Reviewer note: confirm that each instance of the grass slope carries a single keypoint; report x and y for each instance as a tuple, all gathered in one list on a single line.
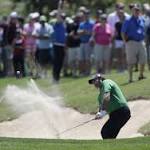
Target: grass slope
[(39, 144), (82, 96)]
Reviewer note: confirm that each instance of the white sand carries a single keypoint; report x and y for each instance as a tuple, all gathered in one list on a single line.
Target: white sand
[(42, 117)]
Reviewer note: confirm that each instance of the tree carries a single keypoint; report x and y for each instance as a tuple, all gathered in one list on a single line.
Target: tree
[(39, 5)]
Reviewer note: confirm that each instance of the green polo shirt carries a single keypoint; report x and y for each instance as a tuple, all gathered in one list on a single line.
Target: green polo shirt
[(117, 99)]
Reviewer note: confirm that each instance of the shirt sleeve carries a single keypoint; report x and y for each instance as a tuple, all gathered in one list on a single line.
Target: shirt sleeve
[(100, 97), (106, 87), (124, 27), (81, 26)]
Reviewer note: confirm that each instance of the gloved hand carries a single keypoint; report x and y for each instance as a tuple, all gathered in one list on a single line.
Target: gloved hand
[(100, 114)]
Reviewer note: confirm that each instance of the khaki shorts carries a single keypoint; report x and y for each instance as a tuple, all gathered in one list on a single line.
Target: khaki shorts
[(102, 53), (73, 54), (136, 52)]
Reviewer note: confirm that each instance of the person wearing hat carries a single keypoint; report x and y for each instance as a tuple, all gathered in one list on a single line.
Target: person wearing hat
[(112, 102), (133, 34), (102, 36), (146, 16), (30, 44), (85, 33), (119, 44), (113, 17), (12, 27), (59, 43), (99, 12), (44, 45), (18, 54)]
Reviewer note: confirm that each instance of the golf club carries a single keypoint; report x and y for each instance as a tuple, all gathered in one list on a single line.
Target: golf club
[(83, 123)]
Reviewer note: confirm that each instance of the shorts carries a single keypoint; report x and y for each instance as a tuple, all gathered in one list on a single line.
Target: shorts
[(119, 44), (136, 51), (73, 54), (85, 51), (102, 53)]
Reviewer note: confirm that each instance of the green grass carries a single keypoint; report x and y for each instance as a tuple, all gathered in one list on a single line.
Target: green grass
[(81, 96), (39, 144), (145, 130)]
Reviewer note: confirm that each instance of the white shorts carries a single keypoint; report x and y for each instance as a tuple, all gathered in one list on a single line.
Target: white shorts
[(119, 44)]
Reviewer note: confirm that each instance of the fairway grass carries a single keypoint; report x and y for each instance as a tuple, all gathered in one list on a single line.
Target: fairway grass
[(39, 144)]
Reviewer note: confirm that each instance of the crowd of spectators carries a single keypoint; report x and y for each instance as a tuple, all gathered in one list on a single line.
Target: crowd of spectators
[(75, 45)]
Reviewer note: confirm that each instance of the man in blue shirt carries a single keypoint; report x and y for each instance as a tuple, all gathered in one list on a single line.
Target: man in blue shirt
[(133, 35), (85, 32), (59, 42)]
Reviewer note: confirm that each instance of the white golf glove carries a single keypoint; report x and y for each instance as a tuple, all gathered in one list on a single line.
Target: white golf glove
[(100, 114)]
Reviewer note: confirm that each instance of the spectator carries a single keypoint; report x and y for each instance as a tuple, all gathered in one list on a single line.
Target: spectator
[(43, 35), (133, 35), (112, 19), (30, 45), (102, 35), (10, 36), (85, 32), (18, 54), (59, 41), (73, 44), (147, 31), (99, 12), (119, 44), (114, 16)]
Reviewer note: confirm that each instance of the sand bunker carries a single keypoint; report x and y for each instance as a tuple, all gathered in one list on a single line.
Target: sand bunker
[(43, 116)]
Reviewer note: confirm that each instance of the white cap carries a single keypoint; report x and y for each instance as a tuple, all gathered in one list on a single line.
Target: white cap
[(69, 20), (35, 15), (14, 14), (53, 13)]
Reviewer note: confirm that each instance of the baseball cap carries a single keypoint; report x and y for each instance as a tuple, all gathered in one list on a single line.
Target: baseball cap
[(87, 12), (94, 77), (35, 15), (43, 18), (99, 11), (82, 9), (103, 16), (137, 7), (14, 14), (53, 13)]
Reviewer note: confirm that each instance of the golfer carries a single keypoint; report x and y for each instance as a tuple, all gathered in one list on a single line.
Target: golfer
[(111, 102)]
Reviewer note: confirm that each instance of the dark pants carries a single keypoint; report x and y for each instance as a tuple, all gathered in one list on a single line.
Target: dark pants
[(58, 59), (115, 122), (18, 63), (44, 57)]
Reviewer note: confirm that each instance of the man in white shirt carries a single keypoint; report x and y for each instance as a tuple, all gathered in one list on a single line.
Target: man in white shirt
[(114, 17)]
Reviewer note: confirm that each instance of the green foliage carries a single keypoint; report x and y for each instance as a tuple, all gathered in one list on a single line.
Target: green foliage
[(39, 5)]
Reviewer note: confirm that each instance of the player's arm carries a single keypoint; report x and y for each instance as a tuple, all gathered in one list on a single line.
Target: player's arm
[(106, 100)]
